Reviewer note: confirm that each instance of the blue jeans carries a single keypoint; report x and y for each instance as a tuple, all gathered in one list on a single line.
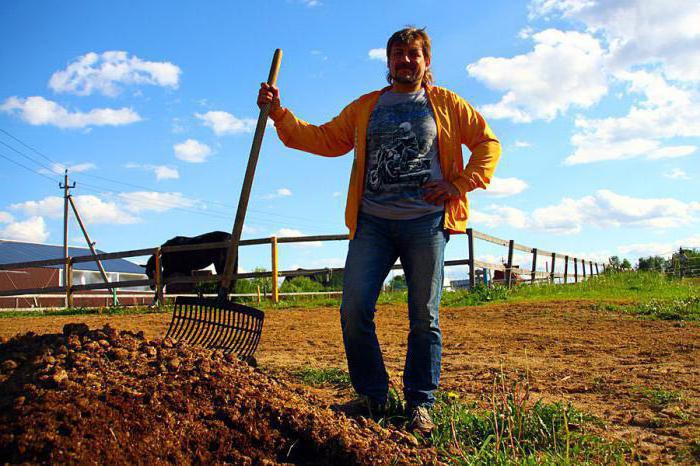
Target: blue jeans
[(420, 244)]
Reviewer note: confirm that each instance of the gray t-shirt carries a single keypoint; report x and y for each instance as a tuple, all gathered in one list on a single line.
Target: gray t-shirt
[(402, 155)]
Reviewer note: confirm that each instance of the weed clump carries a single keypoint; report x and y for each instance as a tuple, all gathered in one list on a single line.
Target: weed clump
[(513, 430), (670, 309)]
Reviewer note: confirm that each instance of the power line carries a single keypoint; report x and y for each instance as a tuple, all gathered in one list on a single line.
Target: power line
[(206, 201), (154, 202), (41, 164), (304, 220), (174, 206), (27, 146), (28, 168)]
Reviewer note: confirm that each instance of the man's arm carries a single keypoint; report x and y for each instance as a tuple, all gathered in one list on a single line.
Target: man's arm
[(332, 139), (476, 134)]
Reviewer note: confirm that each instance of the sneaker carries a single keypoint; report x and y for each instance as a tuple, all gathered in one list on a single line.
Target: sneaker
[(362, 406), (419, 420)]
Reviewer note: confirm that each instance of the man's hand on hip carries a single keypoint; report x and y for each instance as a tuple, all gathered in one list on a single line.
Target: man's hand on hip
[(440, 191), (269, 94)]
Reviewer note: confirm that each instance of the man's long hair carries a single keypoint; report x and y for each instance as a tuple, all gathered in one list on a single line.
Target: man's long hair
[(406, 36)]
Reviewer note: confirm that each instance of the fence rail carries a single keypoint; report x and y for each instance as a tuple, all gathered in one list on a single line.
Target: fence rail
[(511, 272)]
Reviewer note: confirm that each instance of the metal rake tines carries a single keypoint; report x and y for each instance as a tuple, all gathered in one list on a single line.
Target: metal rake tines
[(225, 325)]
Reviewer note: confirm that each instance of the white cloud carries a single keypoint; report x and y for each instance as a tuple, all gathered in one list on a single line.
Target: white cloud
[(600, 257), (500, 215), (104, 73), (51, 206), (290, 232), (60, 168), (223, 123), (92, 209), (32, 230), (145, 201), (176, 126), (662, 32), (250, 230), (337, 194), (522, 144), (124, 209), (677, 174), (604, 209), (166, 173), (192, 151), (669, 152), (320, 54), (659, 249), (280, 192), (37, 110), (377, 54), (666, 111), (311, 3), (565, 69), (162, 172), (503, 187)]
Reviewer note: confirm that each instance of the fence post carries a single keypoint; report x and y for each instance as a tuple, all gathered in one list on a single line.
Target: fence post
[(566, 269), (69, 282), (158, 275), (509, 265), (575, 270), (554, 258), (590, 264), (534, 266), (597, 271), (583, 268), (472, 272), (275, 291)]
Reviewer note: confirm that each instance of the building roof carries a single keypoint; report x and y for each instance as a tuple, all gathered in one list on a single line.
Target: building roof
[(17, 251)]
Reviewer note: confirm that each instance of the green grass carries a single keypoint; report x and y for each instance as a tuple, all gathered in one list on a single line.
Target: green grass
[(510, 430), (515, 430), (647, 294), (661, 398), (687, 309), (318, 377), (613, 287), (75, 311), (620, 286)]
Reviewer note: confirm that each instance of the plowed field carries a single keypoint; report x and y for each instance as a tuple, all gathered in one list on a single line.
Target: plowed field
[(605, 363)]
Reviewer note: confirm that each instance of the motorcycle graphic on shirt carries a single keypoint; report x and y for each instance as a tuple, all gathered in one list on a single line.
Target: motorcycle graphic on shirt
[(399, 161)]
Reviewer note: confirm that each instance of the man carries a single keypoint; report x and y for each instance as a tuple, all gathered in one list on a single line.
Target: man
[(401, 205)]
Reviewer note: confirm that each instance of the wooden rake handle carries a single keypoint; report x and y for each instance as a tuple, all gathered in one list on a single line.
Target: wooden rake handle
[(248, 181)]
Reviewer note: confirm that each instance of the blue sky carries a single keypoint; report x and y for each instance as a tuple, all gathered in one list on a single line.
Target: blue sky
[(151, 105)]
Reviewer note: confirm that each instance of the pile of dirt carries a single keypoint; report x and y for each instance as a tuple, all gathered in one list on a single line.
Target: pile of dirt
[(105, 396)]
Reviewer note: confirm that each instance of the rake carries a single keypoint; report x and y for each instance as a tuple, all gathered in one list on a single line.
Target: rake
[(219, 323)]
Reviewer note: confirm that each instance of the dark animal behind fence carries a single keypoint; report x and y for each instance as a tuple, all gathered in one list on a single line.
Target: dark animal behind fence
[(182, 263)]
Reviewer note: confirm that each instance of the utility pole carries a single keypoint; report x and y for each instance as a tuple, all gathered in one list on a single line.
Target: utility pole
[(91, 245), (68, 200), (66, 193)]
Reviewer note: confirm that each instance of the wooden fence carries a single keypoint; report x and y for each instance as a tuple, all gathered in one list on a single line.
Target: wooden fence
[(510, 271)]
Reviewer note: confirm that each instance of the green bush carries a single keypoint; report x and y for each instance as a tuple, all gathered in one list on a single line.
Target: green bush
[(480, 294), (300, 285), (670, 309)]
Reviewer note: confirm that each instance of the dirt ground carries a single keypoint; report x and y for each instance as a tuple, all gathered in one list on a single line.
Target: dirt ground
[(603, 362)]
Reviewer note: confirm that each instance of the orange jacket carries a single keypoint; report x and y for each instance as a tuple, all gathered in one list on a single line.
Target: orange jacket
[(457, 123)]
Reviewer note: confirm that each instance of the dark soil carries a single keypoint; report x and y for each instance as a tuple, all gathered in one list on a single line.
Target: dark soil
[(605, 363), (109, 397)]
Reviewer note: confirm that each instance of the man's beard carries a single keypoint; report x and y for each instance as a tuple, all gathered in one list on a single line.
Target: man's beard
[(413, 78)]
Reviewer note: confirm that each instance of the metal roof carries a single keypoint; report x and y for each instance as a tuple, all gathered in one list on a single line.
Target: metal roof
[(16, 251)]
